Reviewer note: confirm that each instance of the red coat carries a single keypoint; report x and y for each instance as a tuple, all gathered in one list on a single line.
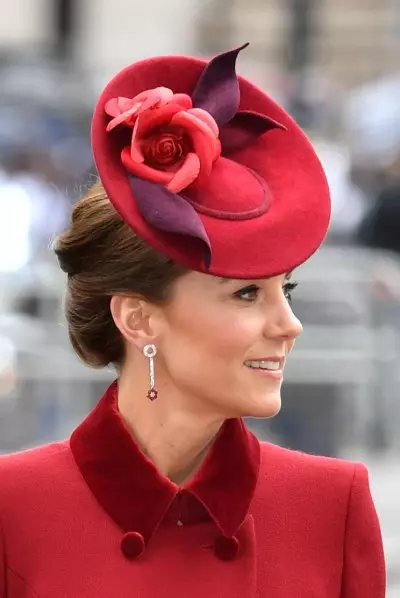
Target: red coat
[(92, 518)]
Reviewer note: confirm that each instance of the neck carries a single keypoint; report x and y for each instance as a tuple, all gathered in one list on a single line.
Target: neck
[(176, 440)]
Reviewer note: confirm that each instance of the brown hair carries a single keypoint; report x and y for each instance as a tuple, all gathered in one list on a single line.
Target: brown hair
[(103, 257)]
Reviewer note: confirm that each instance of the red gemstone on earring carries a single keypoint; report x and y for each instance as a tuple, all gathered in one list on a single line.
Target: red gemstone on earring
[(152, 394)]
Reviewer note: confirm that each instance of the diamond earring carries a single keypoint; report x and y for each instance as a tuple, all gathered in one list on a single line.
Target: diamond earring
[(150, 351)]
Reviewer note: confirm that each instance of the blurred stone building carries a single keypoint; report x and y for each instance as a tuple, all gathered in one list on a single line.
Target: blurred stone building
[(99, 36), (352, 40)]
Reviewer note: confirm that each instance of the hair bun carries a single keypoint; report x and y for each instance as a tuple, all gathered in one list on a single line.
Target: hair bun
[(107, 258), (70, 258), (64, 262)]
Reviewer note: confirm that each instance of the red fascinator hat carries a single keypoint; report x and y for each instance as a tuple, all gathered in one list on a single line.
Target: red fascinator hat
[(209, 170)]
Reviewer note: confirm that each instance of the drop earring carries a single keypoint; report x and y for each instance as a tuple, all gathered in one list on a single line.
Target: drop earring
[(150, 351)]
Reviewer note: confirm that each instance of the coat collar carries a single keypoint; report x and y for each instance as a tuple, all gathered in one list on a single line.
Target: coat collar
[(134, 493)]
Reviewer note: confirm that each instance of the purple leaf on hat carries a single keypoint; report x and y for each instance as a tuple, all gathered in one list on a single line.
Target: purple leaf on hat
[(217, 91), (245, 127), (168, 211)]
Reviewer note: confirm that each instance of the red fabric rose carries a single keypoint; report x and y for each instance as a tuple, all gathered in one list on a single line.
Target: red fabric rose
[(172, 143)]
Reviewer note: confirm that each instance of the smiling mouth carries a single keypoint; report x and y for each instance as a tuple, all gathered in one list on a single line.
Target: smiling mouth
[(271, 365)]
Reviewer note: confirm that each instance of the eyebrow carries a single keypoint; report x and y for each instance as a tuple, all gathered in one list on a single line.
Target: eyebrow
[(221, 280)]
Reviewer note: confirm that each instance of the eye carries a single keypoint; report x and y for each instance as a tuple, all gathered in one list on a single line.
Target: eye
[(249, 293), (288, 289)]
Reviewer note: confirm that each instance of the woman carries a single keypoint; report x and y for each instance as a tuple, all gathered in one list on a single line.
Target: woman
[(179, 273)]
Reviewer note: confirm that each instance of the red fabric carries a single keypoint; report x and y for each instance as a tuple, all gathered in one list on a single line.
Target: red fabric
[(361, 538), (155, 493), (310, 529), (272, 242), (225, 178), (2, 564)]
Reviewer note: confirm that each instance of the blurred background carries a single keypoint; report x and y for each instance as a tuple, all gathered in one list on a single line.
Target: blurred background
[(335, 65)]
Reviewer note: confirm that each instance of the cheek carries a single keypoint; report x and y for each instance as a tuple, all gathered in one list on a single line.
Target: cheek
[(220, 334)]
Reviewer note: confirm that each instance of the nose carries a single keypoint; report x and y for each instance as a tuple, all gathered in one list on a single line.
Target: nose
[(283, 323)]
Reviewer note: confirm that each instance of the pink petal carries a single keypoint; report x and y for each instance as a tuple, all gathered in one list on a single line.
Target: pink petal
[(206, 118), (190, 121), (116, 121), (183, 100), (126, 104), (155, 118), (163, 94), (136, 152), (143, 171), (149, 103), (122, 118), (218, 150), (205, 152), (113, 106), (186, 174)]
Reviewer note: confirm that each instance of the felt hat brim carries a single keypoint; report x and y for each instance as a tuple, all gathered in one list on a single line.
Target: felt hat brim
[(271, 243)]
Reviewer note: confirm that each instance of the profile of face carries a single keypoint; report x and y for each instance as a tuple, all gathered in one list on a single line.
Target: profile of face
[(222, 344)]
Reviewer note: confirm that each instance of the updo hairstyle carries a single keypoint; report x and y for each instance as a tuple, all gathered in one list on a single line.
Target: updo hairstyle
[(103, 257)]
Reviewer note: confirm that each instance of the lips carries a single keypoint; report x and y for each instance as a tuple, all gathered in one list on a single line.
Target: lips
[(266, 363)]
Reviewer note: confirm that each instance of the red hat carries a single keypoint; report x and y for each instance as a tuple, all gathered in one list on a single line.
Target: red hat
[(208, 169)]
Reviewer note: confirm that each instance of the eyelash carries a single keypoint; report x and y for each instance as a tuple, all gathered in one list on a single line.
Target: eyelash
[(288, 289)]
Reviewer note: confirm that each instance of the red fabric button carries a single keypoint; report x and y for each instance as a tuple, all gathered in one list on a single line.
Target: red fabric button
[(226, 548), (132, 545)]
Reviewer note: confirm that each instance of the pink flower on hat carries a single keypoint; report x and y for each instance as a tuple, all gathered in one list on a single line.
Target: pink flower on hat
[(126, 110), (172, 143)]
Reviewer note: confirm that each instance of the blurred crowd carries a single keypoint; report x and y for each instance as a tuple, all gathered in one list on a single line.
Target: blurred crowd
[(46, 165), (341, 395)]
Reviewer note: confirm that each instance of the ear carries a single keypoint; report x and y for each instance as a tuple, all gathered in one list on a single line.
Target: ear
[(134, 319)]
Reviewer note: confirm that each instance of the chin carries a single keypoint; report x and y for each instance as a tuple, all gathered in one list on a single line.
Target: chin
[(263, 407)]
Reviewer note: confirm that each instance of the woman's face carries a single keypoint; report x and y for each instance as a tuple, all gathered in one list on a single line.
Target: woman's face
[(223, 344)]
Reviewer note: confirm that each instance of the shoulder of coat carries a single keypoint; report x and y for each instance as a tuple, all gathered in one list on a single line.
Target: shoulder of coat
[(277, 461)]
